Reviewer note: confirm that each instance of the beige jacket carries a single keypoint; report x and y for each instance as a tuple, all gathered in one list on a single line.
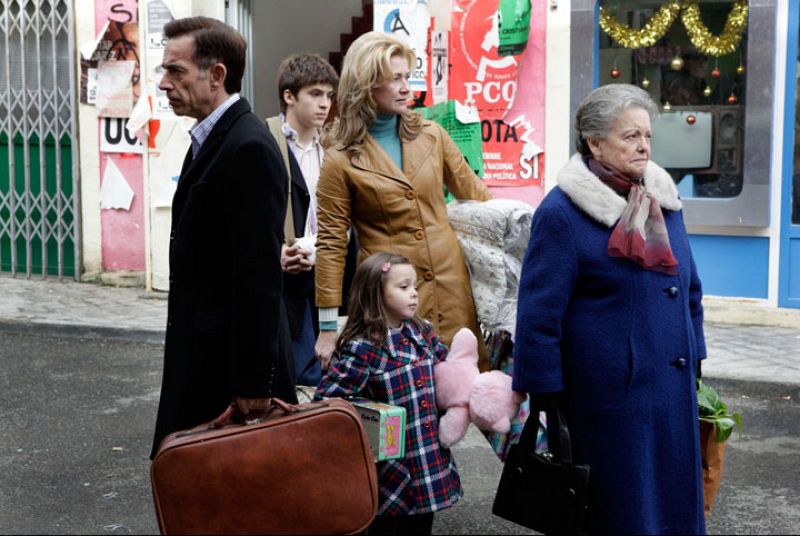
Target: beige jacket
[(402, 212)]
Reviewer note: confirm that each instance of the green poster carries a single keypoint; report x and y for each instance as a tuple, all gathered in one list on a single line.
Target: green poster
[(513, 26), (467, 136)]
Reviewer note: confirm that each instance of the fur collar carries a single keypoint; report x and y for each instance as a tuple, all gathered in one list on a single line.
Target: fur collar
[(601, 202)]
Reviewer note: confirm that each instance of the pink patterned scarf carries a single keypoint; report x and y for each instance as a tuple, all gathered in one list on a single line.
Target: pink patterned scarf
[(641, 234)]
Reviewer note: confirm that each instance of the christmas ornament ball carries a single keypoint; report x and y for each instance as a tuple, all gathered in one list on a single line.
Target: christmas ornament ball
[(740, 69), (667, 106), (715, 73), (691, 119), (707, 91), (645, 83), (615, 73), (676, 63), (732, 99)]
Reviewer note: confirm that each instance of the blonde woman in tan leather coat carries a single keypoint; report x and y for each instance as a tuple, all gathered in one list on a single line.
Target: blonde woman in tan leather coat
[(383, 173)]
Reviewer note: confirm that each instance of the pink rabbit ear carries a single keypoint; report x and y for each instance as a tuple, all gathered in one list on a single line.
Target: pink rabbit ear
[(386, 266)]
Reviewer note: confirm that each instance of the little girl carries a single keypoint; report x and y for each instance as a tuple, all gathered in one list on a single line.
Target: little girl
[(386, 353)]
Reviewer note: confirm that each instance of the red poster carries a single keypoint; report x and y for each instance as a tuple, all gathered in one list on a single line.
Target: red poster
[(508, 91)]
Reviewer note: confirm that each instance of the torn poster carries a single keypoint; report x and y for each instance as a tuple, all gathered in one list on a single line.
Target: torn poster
[(114, 88), (439, 66), (463, 125), (158, 14), (140, 115), (115, 192), (115, 138)]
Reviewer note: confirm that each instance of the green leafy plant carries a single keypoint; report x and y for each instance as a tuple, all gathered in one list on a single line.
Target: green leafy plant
[(713, 410)]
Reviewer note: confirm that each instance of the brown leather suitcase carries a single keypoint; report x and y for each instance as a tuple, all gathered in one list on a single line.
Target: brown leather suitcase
[(302, 469)]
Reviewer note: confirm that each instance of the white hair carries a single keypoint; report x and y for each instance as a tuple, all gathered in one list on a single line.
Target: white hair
[(598, 111)]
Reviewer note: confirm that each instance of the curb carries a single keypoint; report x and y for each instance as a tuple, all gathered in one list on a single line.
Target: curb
[(81, 331), (748, 312), (776, 389)]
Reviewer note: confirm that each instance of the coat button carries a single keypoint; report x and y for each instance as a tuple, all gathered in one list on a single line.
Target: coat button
[(418, 383), (424, 404), (428, 276), (410, 194), (672, 291), (172, 235), (426, 424), (680, 363), (419, 235)]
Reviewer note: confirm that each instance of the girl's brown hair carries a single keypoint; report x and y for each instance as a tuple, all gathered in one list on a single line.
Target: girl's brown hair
[(365, 311)]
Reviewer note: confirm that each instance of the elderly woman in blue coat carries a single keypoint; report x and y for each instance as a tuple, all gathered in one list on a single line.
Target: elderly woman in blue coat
[(610, 322)]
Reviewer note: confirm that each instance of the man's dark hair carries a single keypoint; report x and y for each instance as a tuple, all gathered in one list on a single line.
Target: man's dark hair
[(302, 70), (214, 42)]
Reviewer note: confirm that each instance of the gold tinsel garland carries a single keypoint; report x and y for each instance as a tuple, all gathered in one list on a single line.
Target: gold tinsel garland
[(654, 30), (699, 35), (704, 40)]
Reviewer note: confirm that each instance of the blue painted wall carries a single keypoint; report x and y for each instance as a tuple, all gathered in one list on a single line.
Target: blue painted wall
[(789, 269), (735, 266)]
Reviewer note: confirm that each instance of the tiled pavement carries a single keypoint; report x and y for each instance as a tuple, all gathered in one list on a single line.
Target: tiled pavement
[(739, 350)]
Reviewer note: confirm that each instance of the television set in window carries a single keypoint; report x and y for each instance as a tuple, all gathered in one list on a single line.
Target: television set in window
[(679, 142)]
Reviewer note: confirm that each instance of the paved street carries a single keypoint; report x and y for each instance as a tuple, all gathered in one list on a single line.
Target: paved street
[(79, 410)]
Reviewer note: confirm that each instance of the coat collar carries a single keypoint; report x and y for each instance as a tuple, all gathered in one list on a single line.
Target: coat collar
[(375, 160), (407, 330), (193, 168), (602, 203), (228, 119)]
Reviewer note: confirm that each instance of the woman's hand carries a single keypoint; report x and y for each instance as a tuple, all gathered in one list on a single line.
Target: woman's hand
[(326, 344), (246, 405), (295, 259)]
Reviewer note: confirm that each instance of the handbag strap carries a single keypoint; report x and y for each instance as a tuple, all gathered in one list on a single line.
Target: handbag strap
[(558, 440), (276, 128)]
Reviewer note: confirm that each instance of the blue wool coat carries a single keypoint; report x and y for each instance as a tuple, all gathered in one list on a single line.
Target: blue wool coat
[(622, 343)]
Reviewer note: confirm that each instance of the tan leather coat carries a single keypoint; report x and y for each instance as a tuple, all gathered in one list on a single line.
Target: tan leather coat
[(402, 212)]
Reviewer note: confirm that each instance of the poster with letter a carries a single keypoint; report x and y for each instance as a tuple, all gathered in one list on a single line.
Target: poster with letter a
[(409, 21), (508, 91)]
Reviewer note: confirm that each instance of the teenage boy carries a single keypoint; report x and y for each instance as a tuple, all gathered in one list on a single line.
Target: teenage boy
[(306, 88)]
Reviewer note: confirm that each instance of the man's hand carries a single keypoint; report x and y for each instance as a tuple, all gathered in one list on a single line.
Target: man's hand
[(246, 405), (295, 259), (326, 344)]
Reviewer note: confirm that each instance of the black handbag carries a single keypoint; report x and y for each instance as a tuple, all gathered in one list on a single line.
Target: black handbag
[(544, 492)]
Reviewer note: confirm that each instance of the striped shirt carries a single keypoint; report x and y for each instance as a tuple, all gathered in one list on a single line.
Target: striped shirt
[(400, 372), (200, 131)]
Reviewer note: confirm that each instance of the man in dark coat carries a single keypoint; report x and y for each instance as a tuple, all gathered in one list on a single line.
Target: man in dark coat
[(227, 334)]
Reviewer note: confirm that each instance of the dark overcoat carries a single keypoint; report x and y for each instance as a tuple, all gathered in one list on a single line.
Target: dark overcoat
[(622, 343), (227, 333), (298, 289)]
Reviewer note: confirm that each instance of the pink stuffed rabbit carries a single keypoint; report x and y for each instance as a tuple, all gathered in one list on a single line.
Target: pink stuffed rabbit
[(467, 395)]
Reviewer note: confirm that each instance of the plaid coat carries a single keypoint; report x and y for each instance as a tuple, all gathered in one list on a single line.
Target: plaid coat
[(400, 372)]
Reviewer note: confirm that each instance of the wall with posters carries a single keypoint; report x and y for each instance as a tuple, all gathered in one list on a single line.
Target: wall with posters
[(504, 87), (112, 185), (131, 145)]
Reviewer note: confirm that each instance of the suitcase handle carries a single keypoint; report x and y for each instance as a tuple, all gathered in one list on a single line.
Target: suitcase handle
[(233, 409)]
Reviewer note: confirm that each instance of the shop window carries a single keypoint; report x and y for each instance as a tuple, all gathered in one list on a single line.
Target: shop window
[(699, 135)]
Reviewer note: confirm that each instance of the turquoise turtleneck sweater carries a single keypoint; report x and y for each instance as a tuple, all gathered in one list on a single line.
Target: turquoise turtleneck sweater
[(384, 130)]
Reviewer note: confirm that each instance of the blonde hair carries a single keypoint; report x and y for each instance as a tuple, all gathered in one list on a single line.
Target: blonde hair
[(366, 67)]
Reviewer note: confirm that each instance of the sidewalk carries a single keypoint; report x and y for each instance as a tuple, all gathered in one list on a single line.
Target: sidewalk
[(746, 340)]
